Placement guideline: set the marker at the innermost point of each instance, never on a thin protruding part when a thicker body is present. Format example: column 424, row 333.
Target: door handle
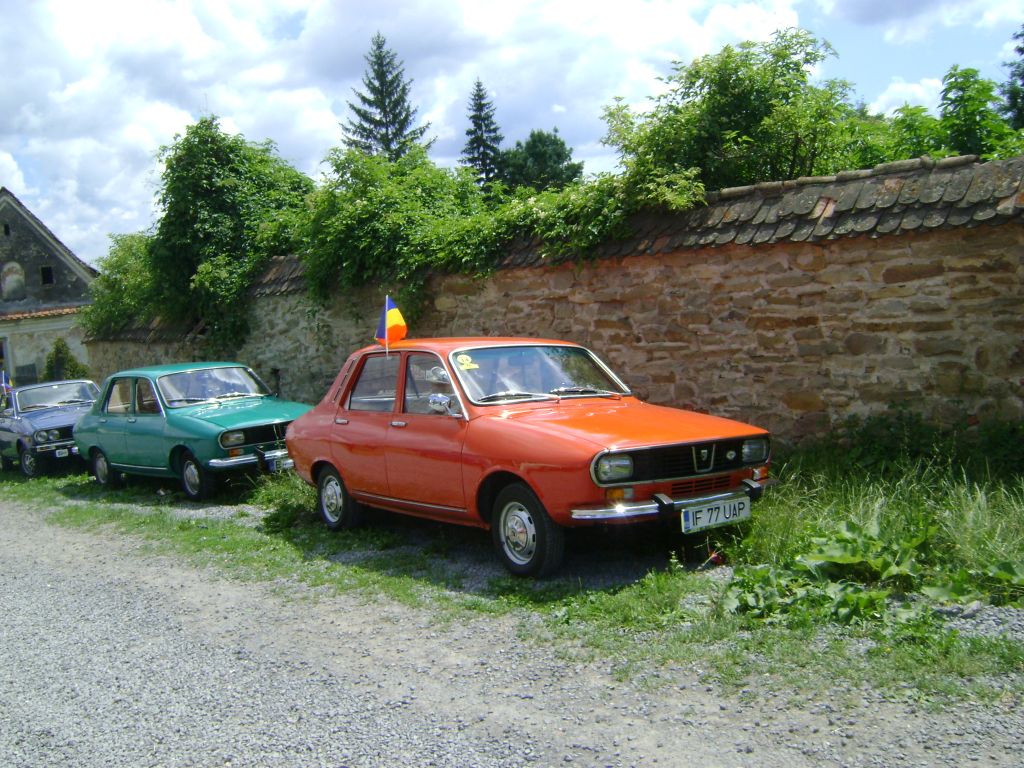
column 397, row 423
column 132, row 420
column 341, row 421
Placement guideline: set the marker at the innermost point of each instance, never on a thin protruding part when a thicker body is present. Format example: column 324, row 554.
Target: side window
column 374, row 390
column 425, row 375
column 120, row 398
column 145, row 398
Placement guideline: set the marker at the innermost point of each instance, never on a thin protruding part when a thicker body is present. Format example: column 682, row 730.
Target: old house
column 43, row 285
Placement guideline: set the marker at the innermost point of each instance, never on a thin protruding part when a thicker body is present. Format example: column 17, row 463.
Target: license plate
column 61, row 453
column 717, row 513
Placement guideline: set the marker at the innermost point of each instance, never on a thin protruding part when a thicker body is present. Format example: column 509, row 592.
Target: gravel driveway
column 112, row 656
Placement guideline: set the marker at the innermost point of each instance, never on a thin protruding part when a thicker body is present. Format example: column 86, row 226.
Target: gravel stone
column 113, row 656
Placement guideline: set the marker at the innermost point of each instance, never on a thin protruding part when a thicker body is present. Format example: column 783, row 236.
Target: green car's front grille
column 265, row 433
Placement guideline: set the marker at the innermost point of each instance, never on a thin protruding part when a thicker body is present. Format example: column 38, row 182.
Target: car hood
column 626, row 423
column 243, row 412
column 58, row 416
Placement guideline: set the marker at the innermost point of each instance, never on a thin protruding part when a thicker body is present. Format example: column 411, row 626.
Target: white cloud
column 925, row 93
column 10, row 174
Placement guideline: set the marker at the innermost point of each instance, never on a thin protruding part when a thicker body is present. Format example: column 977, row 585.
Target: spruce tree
column 482, row 137
column 1013, row 89
column 383, row 116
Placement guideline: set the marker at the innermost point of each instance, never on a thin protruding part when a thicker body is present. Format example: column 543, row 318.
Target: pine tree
column 383, row 116
column 1013, row 89
column 483, row 137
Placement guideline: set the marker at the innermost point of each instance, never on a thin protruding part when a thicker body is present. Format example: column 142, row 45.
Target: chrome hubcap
column 331, row 500
column 28, row 463
column 518, row 533
column 191, row 477
column 100, row 466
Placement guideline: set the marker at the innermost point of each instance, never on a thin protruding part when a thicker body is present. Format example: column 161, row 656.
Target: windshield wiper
column 73, row 401
column 509, row 394
column 36, row 406
column 239, row 394
column 586, row 391
column 187, row 400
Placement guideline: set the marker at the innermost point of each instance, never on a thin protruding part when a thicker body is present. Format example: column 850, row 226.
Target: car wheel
column 197, row 481
column 105, row 474
column 527, row 540
column 337, row 508
column 30, row 463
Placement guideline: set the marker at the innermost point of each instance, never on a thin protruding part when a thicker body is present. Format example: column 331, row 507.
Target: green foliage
column 383, row 117
column 889, row 506
column 61, row 363
column 226, row 207
column 1012, row 90
column 124, row 290
column 969, row 114
column 542, row 162
column 483, row 138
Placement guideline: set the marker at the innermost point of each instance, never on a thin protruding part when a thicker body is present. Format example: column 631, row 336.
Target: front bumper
column 265, row 460
column 51, row 449
column 662, row 505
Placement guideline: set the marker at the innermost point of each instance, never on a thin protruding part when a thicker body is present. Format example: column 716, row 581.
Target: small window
column 120, row 398
column 375, row 388
column 145, row 398
column 7, row 230
column 47, row 275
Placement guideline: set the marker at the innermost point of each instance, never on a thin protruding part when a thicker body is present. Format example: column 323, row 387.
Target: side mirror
column 440, row 404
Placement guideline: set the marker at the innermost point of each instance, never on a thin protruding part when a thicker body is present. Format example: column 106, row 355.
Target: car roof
column 445, row 346
column 163, row 370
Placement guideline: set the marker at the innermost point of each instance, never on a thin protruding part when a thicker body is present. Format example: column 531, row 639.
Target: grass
column 834, row 575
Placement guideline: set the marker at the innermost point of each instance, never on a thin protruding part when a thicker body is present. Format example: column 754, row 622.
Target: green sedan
column 193, row 421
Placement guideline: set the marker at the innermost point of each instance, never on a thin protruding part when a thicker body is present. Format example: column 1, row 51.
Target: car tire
column 197, row 481
column 29, row 464
column 105, row 475
column 336, row 506
column 526, row 539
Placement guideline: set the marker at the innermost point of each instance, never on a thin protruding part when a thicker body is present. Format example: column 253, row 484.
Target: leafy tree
column 61, row 363
column 123, row 291
column 383, row 115
column 482, row 137
column 1013, row 89
column 376, row 221
column 748, row 113
column 544, row 161
column 224, row 204
column 915, row 133
column 968, row 113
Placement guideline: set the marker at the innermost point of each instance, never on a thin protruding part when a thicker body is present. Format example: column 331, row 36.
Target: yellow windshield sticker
column 466, row 362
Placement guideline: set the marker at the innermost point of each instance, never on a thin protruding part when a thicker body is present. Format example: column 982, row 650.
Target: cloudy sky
column 94, row 89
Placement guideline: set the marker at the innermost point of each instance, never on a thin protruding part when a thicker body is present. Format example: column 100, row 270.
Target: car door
column 146, row 427
column 8, row 436
column 424, row 447
column 361, row 423
column 113, row 419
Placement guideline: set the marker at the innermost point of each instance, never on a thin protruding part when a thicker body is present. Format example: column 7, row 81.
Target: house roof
column 38, row 313
column 891, row 199
column 86, row 272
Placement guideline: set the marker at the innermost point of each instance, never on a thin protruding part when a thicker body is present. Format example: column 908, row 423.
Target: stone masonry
column 791, row 305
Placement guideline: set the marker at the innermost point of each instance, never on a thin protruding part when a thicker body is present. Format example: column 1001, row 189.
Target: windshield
column 541, row 372
column 52, row 395
column 188, row 387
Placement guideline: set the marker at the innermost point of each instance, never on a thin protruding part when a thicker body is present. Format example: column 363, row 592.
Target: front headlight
column 755, row 451
column 46, row 436
column 231, row 439
column 614, row 468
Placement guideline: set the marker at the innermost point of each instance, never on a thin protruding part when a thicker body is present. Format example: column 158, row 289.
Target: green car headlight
column 614, row 468
column 755, row 451
column 232, row 439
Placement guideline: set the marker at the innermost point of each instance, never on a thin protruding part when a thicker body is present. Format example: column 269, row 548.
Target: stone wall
column 792, row 336
column 29, row 341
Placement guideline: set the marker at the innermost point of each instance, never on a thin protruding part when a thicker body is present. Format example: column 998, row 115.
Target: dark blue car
column 36, row 423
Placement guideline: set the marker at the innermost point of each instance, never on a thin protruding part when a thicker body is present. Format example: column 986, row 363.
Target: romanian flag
column 392, row 325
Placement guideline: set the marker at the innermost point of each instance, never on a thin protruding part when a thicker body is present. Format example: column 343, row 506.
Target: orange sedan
column 526, row 437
